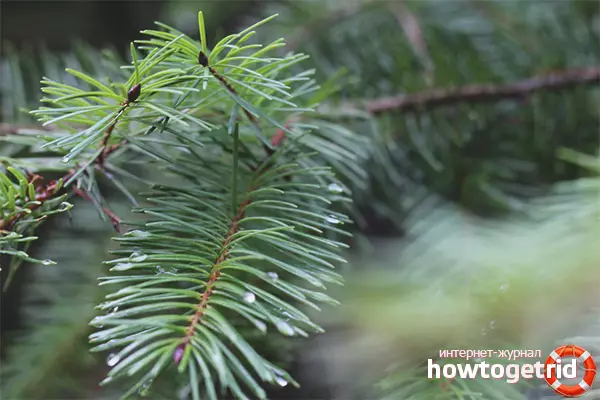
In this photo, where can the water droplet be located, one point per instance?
(492, 324)
(273, 275)
(332, 220)
(64, 206)
(145, 388)
(137, 257)
(335, 188)
(167, 271)
(288, 315)
(504, 287)
(66, 159)
(249, 297)
(285, 328)
(178, 353)
(97, 322)
(112, 359)
(138, 233)
(483, 332)
(48, 262)
(281, 382)
(122, 267)
(114, 310)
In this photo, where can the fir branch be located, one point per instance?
(233, 229)
(486, 92)
(52, 189)
(217, 242)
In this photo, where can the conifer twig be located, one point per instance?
(216, 272)
(486, 92)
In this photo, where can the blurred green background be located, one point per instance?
(467, 214)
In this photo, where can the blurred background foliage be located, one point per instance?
(476, 218)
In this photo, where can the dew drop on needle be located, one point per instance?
(249, 297)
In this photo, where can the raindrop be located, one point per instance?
(64, 206)
(332, 220)
(114, 310)
(285, 328)
(492, 324)
(66, 159)
(483, 332)
(138, 233)
(112, 359)
(138, 257)
(122, 267)
(249, 297)
(167, 270)
(273, 275)
(145, 388)
(335, 188)
(281, 382)
(504, 287)
(97, 322)
(48, 262)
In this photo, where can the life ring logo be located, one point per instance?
(583, 356)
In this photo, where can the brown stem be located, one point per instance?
(132, 96)
(201, 307)
(216, 272)
(486, 92)
(203, 60)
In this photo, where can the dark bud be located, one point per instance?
(178, 354)
(202, 59)
(134, 93)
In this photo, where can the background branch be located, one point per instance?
(485, 92)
